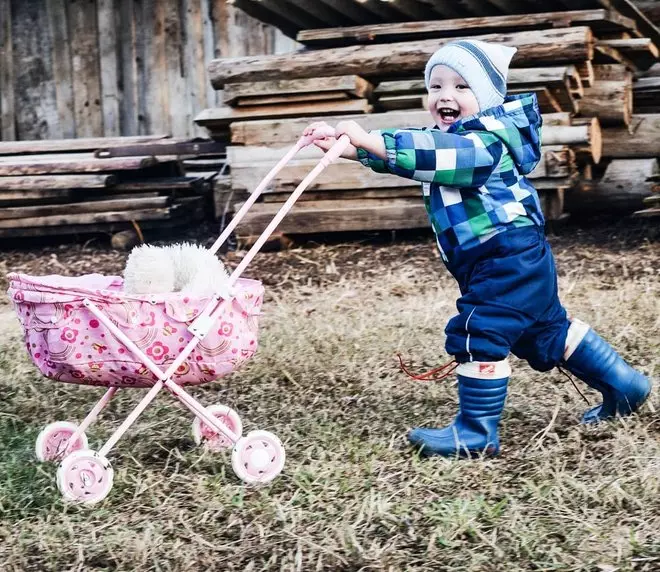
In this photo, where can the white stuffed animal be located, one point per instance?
(185, 267)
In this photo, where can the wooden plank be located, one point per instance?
(75, 145)
(538, 47)
(156, 73)
(334, 194)
(35, 108)
(85, 59)
(197, 48)
(219, 117)
(7, 103)
(331, 96)
(176, 85)
(339, 216)
(134, 203)
(598, 20)
(83, 166)
(107, 15)
(128, 56)
(56, 182)
(351, 84)
(62, 68)
(641, 51)
(88, 218)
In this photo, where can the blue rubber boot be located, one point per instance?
(474, 430)
(594, 361)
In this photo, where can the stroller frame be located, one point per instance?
(85, 475)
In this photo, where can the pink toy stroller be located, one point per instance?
(86, 330)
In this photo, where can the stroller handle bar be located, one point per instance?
(330, 156)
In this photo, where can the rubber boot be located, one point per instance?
(482, 388)
(594, 361)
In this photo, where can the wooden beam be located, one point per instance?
(351, 84)
(38, 211)
(564, 45)
(598, 20)
(57, 182)
(74, 145)
(62, 67)
(88, 114)
(15, 168)
(283, 132)
(107, 12)
(7, 103)
(223, 116)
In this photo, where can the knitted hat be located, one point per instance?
(483, 66)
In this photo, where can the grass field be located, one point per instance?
(353, 496)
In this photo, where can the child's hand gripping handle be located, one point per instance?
(336, 150)
(320, 132)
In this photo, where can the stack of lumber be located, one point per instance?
(594, 71)
(104, 185)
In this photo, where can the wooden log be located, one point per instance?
(640, 140)
(597, 20)
(351, 84)
(585, 139)
(133, 203)
(77, 145)
(57, 182)
(15, 168)
(223, 116)
(609, 100)
(622, 188)
(335, 194)
(125, 240)
(564, 45)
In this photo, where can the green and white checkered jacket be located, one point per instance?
(473, 175)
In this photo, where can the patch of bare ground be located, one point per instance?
(325, 379)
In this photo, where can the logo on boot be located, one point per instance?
(487, 368)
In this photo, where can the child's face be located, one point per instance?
(450, 98)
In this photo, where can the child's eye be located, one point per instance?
(462, 86)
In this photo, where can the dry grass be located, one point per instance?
(353, 496)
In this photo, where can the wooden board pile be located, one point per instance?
(594, 71)
(104, 185)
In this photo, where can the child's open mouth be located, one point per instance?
(447, 114)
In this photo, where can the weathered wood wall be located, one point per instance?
(93, 68)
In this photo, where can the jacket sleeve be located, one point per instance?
(433, 156)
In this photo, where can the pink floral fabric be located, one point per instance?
(68, 343)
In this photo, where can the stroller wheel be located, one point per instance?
(212, 440)
(258, 457)
(53, 439)
(84, 476)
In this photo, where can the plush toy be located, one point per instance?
(185, 267)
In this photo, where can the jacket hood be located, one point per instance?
(517, 123)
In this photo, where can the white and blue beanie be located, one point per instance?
(483, 66)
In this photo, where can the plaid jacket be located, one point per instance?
(473, 176)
